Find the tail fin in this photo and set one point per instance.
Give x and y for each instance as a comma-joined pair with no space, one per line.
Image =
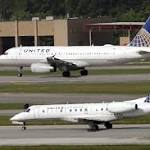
142,38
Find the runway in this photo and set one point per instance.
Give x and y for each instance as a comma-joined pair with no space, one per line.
76,79
74,135
41,98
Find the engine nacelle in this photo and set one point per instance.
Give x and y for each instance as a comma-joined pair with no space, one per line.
121,107
41,68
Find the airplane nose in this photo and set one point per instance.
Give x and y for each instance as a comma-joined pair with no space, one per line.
17,117
14,118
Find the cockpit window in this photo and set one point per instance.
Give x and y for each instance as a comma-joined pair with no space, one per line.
27,110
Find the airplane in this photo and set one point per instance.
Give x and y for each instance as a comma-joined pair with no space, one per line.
89,113
44,59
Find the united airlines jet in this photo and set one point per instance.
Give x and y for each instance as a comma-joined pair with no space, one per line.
47,58
90,113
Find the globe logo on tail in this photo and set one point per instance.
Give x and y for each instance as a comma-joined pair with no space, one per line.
142,39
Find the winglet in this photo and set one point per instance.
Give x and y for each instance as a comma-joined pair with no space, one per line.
142,38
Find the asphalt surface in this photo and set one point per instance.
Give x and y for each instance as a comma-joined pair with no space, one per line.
74,135
76,79
41,98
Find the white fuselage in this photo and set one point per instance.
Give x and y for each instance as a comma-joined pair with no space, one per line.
81,55
101,112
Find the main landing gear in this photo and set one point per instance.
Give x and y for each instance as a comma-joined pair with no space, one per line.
108,125
68,74
84,72
19,74
94,126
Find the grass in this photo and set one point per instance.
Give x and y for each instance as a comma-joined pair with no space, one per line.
5,106
78,147
91,72
137,120
119,71
95,88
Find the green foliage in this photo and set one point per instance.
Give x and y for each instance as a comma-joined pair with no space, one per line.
78,147
111,88
129,10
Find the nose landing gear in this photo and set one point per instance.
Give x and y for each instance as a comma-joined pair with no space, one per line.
24,126
19,74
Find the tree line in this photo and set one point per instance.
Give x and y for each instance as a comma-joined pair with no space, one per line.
120,10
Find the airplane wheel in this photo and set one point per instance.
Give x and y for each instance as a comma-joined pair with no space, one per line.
19,74
108,125
84,72
24,128
20,71
93,127
66,74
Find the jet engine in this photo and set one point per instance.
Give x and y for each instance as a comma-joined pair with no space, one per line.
121,107
41,67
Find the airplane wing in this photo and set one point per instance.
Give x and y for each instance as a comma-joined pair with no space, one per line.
65,65
86,118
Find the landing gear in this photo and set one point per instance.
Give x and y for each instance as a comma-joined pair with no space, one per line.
66,74
108,125
55,68
84,72
19,74
93,126
24,126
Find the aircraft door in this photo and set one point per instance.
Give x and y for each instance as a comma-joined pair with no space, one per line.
37,113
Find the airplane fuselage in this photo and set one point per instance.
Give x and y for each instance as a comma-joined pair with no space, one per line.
82,55
101,112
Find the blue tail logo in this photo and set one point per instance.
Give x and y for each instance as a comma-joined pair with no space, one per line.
142,38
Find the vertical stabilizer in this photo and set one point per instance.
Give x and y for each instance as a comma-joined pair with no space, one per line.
142,38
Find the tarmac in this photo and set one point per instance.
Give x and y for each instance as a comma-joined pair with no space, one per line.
75,79
74,135
70,134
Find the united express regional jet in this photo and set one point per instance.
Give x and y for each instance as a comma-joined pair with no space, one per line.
50,58
90,113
